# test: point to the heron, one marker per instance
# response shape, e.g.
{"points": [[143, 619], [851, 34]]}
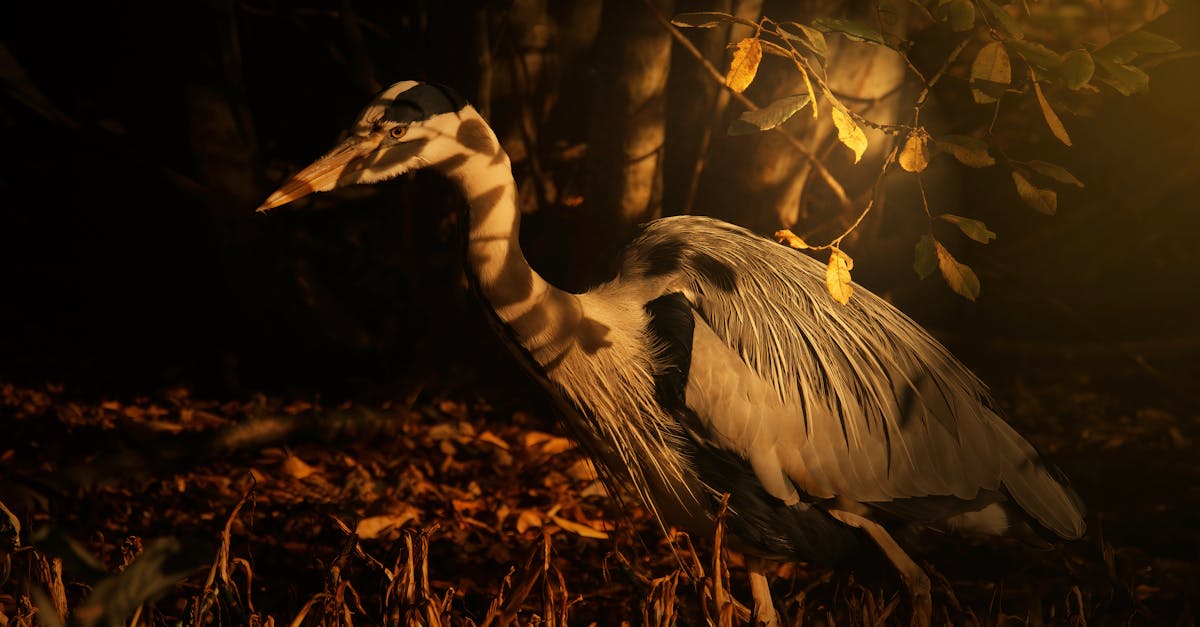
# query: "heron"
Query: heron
{"points": [[715, 366]]}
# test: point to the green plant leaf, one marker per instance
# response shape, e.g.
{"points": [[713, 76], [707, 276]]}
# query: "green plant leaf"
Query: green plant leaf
{"points": [[1077, 68], [1056, 172], [969, 151], [855, 31], [1007, 22], [1036, 54], [769, 116], [959, 276], [925, 261], [1126, 79], [1041, 200], [707, 19], [973, 229], [1055, 124], [991, 67], [1124, 48], [810, 38]]}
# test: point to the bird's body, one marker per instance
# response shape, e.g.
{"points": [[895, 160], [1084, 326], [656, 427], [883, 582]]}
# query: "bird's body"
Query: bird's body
{"points": [[715, 363]]}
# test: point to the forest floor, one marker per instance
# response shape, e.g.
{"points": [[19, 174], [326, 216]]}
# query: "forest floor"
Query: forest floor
{"points": [[454, 509]]}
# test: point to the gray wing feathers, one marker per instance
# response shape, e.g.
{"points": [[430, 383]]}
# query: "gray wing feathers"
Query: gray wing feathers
{"points": [[869, 405]]}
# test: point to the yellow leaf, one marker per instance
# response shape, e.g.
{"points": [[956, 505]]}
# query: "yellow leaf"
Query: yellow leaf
{"points": [[1042, 200], [990, 71], [579, 528], [1056, 125], [745, 64], [785, 236], [959, 276], [837, 275], [493, 439], [528, 518], [915, 156], [849, 133]]}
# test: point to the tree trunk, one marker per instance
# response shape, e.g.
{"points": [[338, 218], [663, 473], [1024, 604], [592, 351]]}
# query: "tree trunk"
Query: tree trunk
{"points": [[625, 149]]}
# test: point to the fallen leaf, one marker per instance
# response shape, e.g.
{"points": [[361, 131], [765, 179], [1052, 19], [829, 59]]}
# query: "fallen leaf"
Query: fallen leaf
{"points": [[296, 468], [373, 527], [527, 519], [493, 439], [579, 528], [547, 443]]}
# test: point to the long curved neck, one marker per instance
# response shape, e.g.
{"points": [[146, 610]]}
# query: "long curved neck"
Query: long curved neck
{"points": [[543, 317]]}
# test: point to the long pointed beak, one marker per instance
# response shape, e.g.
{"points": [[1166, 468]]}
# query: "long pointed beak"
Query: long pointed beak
{"points": [[323, 174]]}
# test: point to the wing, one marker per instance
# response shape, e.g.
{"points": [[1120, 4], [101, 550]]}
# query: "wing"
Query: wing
{"points": [[853, 401]]}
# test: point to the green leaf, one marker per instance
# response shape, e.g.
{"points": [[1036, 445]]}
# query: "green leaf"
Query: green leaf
{"points": [[969, 151], [1055, 124], [1056, 172], [1126, 79], [991, 67], [1041, 200], [707, 19], [1077, 68], [1124, 48], [1008, 23], [855, 31], [769, 116], [926, 258], [1036, 54], [959, 276], [812, 39], [973, 229]]}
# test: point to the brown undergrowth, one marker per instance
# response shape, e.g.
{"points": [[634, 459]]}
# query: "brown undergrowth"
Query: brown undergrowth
{"points": [[452, 511]]}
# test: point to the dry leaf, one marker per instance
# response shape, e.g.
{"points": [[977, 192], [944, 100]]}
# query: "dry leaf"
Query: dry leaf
{"points": [[849, 133], [973, 229], [1056, 125], [375, 526], [579, 528], [527, 519], [546, 443], [915, 156], [785, 236], [296, 468], [837, 275], [493, 439], [745, 64], [969, 151], [959, 276]]}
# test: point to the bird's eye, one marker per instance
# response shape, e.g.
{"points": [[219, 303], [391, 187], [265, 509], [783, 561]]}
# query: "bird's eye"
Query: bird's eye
{"points": [[398, 131]]}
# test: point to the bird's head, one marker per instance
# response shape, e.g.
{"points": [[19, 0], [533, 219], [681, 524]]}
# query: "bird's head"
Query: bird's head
{"points": [[408, 126]]}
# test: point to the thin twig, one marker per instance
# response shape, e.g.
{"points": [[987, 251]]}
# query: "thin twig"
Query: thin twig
{"points": [[826, 176]]}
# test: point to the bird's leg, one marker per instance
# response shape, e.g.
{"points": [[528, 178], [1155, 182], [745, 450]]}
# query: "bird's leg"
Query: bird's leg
{"points": [[914, 578], [764, 608]]}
